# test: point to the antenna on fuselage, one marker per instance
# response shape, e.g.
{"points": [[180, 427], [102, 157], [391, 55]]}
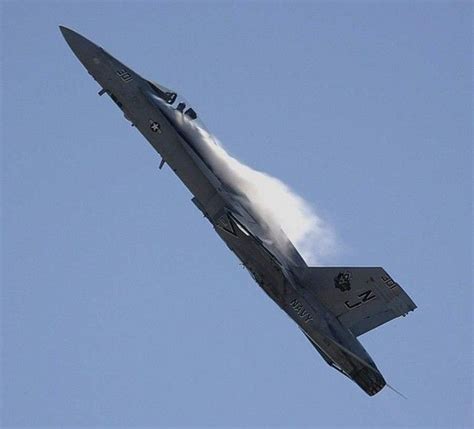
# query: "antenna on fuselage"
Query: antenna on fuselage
{"points": [[396, 391]]}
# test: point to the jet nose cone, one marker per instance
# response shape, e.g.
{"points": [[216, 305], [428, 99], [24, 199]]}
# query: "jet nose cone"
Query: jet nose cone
{"points": [[65, 30], [83, 48]]}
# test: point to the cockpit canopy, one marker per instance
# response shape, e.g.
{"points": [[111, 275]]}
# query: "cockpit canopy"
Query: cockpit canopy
{"points": [[172, 98], [164, 93]]}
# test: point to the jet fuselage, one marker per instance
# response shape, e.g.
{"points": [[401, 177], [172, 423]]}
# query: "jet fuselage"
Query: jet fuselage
{"points": [[173, 129]]}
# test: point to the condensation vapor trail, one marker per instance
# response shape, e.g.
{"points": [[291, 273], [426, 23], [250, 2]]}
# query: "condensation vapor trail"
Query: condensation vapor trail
{"points": [[283, 208], [272, 199]]}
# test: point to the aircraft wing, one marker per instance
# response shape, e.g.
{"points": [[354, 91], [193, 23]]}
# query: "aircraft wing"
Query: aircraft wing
{"points": [[274, 240], [362, 298]]}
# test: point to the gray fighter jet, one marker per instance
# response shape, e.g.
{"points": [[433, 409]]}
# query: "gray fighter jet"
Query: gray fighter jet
{"points": [[331, 305]]}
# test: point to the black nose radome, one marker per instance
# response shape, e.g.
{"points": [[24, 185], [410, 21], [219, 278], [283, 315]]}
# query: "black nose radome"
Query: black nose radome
{"points": [[82, 47]]}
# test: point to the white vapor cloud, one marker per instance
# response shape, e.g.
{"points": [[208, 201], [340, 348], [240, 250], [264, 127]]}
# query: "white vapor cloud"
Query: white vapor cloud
{"points": [[283, 208], [270, 198]]}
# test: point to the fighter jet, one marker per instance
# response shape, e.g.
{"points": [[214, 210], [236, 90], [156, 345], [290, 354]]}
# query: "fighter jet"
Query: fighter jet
{"points": [[331, 305]]}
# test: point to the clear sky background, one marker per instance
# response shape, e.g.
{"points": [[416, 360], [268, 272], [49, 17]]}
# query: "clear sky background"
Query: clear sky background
{"points": [[120, 305]]}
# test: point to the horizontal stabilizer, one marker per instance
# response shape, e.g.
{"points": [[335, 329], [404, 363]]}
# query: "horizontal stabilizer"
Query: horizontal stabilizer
{"points": [[362, 298], [368, 377]]}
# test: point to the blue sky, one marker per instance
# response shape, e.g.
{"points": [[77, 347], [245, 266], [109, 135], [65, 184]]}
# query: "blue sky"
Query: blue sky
{"points": [[121, 307]]}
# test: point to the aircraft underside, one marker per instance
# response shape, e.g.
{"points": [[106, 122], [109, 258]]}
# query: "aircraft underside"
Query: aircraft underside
{"points": [[331, 305]]}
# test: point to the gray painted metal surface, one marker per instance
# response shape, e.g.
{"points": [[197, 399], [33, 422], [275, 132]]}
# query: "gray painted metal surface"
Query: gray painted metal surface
{"points": [[331, 305]]}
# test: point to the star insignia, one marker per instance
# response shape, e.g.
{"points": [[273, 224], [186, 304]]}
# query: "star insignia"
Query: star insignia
{"points": [[155, 127]]}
